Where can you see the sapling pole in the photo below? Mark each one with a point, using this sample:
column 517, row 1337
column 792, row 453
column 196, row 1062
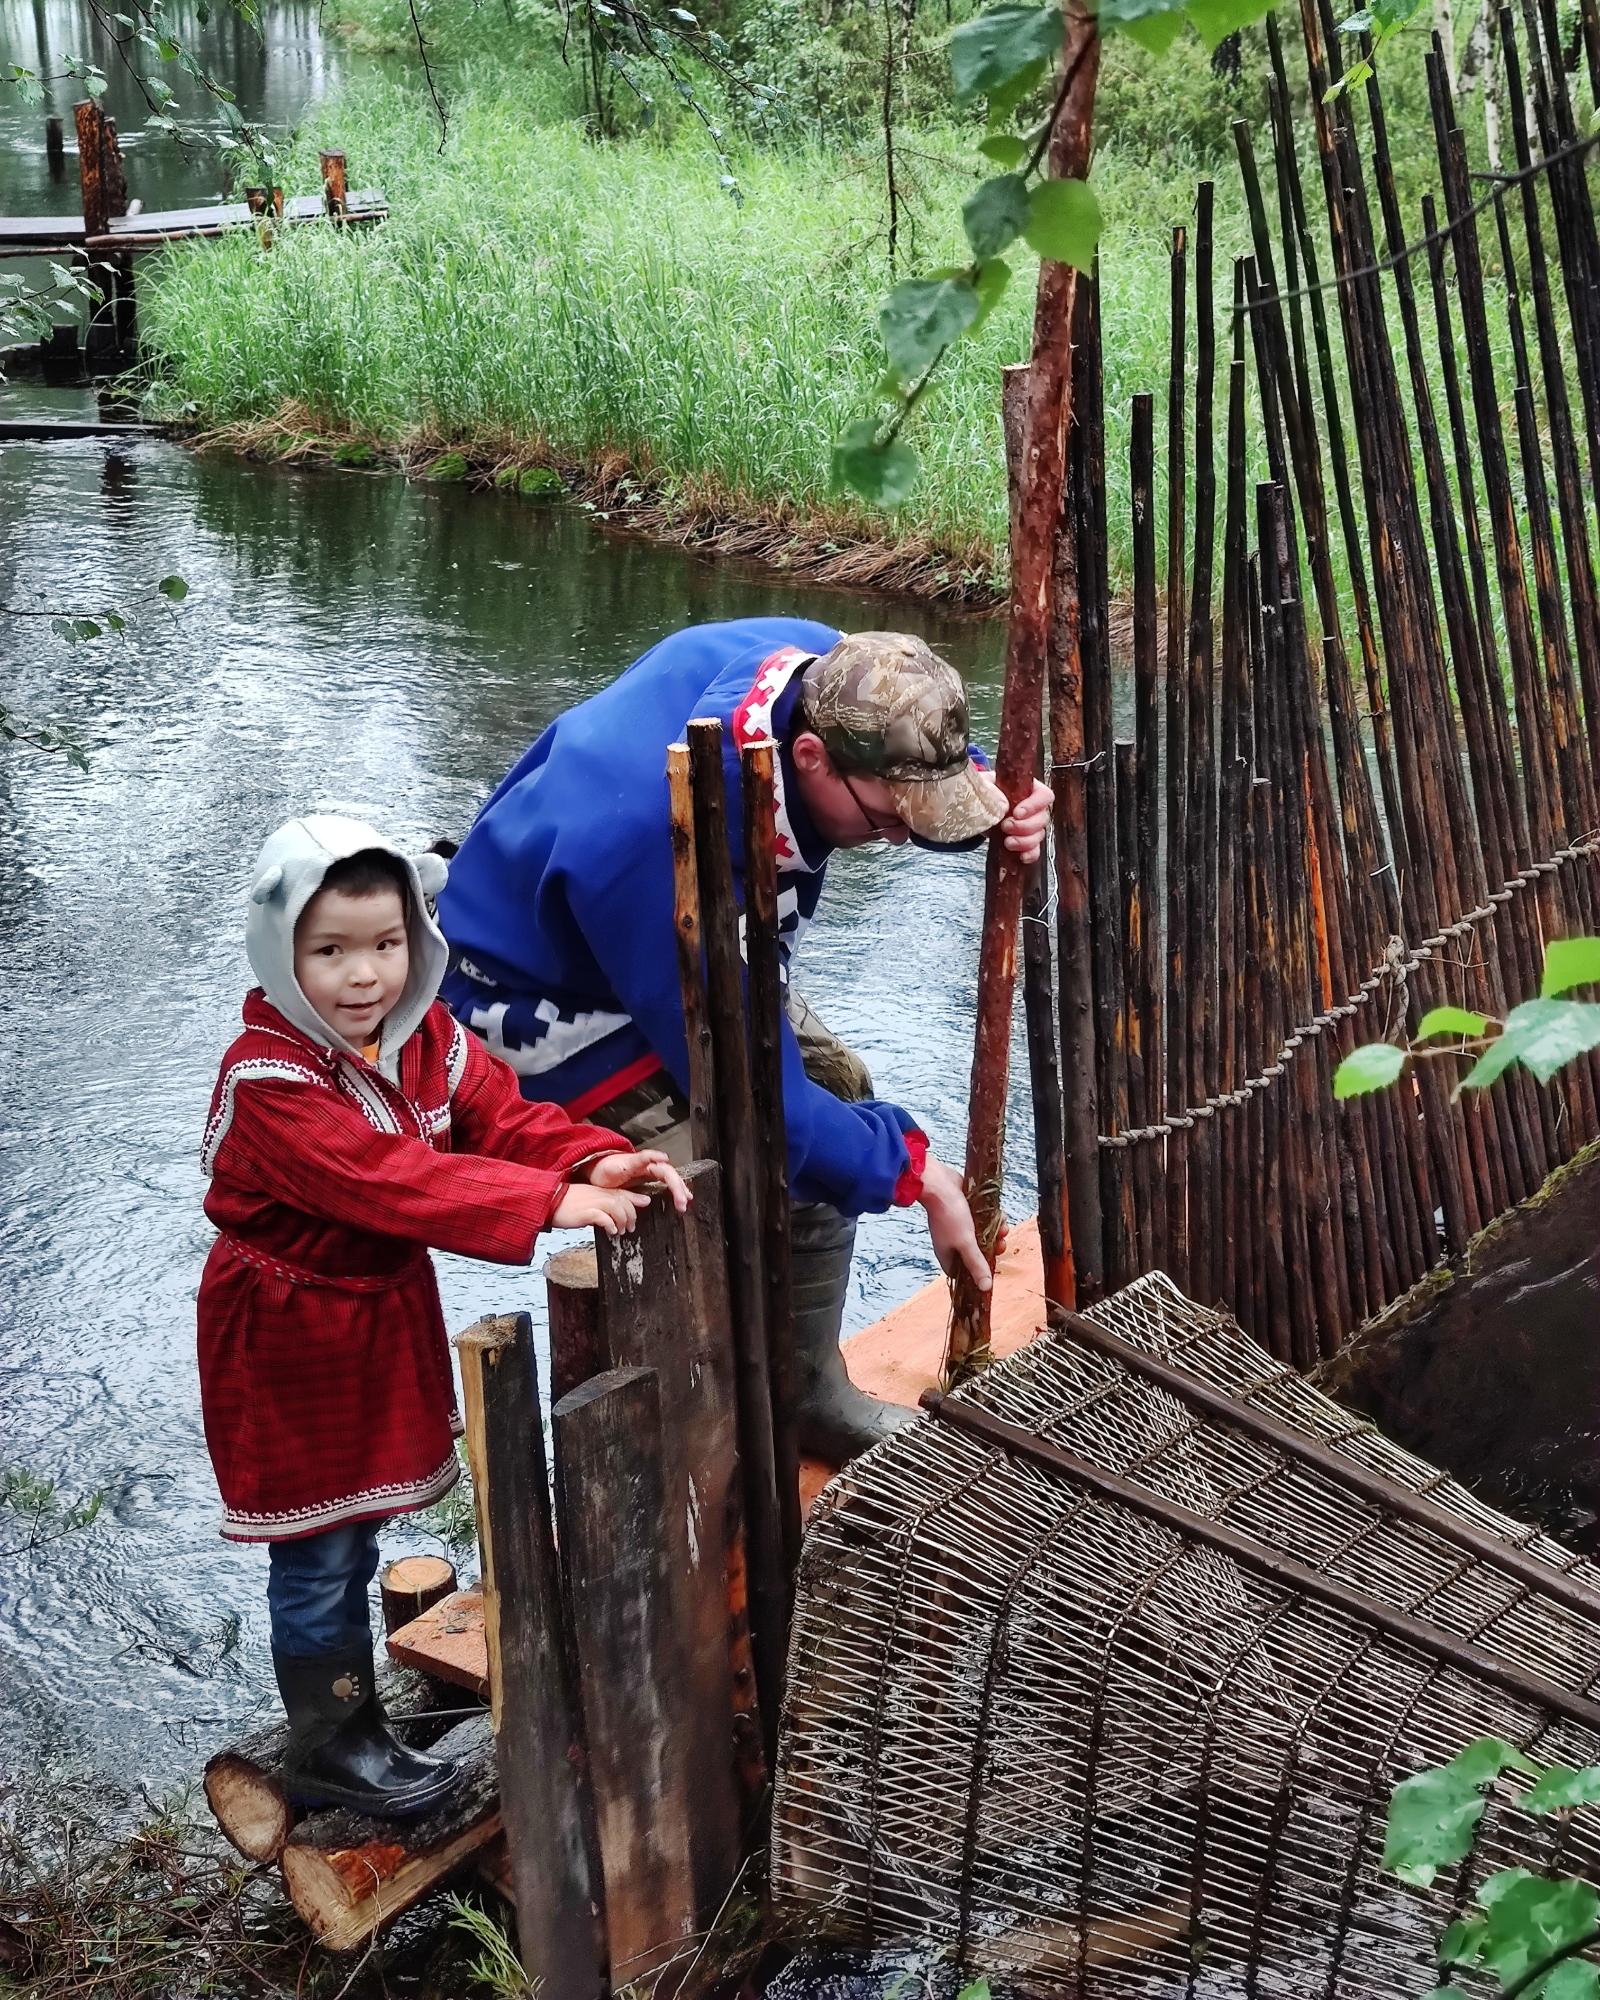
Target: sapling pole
column 1037, row 521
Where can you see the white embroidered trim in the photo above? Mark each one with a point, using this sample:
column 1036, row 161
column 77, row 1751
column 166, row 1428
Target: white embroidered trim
column 562, row 1040
column 455, row 1066
column 436, row 1122
column 372, row 1101
column 247, row 1072
column 398, row 1499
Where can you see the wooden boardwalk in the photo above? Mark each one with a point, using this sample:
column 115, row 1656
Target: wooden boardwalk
column 61, row 235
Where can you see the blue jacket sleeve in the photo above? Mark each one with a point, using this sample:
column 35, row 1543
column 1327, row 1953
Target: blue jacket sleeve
column 851, row 1155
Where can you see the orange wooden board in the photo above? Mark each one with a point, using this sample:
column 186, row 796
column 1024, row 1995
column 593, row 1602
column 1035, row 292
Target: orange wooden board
column 897, row 1357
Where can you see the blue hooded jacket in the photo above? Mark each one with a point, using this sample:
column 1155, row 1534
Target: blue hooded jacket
column 559, row 907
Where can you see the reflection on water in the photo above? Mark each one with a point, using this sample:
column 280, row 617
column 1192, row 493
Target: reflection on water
column 349, row 643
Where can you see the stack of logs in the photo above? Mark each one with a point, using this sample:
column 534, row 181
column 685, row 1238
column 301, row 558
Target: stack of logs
column 631, row 1630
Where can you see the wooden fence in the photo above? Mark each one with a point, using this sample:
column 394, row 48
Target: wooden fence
column 1366, row 720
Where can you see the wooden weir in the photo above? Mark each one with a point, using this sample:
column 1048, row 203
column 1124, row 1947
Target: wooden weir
column 1372, row 784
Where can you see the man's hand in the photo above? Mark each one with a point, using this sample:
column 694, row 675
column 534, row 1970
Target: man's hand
column 950, row 1225
column 1026, row 825
column 627, row 1170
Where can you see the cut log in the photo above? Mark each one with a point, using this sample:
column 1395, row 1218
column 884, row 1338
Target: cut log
column 244, row 1783
column 347, row 1875
column 412, row 1585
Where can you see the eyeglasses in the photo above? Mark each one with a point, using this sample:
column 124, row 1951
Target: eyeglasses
column 873, row 825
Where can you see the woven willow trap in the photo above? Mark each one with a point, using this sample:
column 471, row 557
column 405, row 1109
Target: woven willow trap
column 1110, row 1692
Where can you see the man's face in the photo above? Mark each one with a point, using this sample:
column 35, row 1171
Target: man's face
column 848, row 808
column 351, row 956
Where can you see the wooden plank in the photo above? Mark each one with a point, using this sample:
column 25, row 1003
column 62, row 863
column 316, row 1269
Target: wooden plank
column 538, row 1734
column 448, row 1642
column 41, row 229
column 664, row 1304
column 19, row 430
column 347, row 1875
column 613, row 1509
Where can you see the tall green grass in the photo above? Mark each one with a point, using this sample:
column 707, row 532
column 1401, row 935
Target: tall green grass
column 611, row 299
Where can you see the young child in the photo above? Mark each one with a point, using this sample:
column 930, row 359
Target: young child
column 354, row 1127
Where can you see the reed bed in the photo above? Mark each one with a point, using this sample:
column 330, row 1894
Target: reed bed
column 535, row 291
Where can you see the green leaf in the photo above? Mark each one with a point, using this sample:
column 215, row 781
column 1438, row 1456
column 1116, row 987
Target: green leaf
column 1004, row 148
column 1004, row 100
column 921, row 317
column 1370, row 1067
column 995, row 48
column 1532, row 1918
column 1570, row 962
column 1451, row 1021
column 1357, row 24
column 977, row 1989
column 882, row 473
column 1574, row 1980
column 995, row 215
column 1463, row 1941
column 173, row 587
column 1154, row 32
column 990, row 284
column 1064, row 222
column 1561, row 1788
column 1218, row 19
column 1433, row 1816
column 1543, row 1035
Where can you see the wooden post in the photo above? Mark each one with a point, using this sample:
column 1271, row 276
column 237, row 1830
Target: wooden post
column 333, row 184
column 90, row 121
column 55, row 147
column 764, row 965
column 116, row 180
column 740, row 1147
column 577, row 1339
column 538, row 1734
column 664, row 1306
column 1038, row 518
column 411, row 1585
column 691, row 966
column 615, row 1530
column 255, row 199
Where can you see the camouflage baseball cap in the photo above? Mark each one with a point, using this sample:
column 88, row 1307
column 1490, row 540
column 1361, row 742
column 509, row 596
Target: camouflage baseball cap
column 886, row 706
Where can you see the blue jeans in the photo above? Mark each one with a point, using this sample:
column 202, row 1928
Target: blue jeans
column 317, row 1590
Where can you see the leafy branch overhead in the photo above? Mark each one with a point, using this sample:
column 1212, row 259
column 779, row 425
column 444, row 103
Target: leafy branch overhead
column 1002, row 57
column 1544, row 1035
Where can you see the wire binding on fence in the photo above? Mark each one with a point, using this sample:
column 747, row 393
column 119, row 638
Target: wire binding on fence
column 1395, row 964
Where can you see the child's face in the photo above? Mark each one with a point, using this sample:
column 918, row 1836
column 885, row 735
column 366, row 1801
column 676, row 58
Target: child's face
column 351, row 957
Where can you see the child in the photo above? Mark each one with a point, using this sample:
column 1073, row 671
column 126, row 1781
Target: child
column 354, row 1127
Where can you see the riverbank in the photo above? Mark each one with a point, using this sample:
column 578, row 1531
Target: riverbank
column 605, row 308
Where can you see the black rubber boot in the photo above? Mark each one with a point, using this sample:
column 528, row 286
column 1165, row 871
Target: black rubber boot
column 837, row 1421
column 342, row 1751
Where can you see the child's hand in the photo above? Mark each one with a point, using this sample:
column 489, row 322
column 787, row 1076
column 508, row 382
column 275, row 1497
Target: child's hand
column 613, row 1210
column 626, row 1170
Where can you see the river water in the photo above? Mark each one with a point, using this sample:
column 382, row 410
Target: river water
column 349, row 642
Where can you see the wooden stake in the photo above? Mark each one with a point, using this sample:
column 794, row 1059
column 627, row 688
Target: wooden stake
column 410, row 1585
column 740, row 1153
column 1038, row 518
column 764, row 964
column 691, row 962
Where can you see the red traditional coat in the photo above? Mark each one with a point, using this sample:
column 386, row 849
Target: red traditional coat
column 325, row 1377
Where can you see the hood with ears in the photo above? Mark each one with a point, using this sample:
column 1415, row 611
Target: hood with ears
column 289, row 871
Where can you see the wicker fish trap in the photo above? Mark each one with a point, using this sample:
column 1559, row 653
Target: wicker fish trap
column 1102, row 1679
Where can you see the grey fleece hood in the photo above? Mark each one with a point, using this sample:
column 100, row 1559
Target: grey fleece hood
column 289, row 871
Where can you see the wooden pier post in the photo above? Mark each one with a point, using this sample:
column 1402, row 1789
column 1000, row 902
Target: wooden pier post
column 55, row 147
column 334, row 190
column 90, row 121
column 546, row 1806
